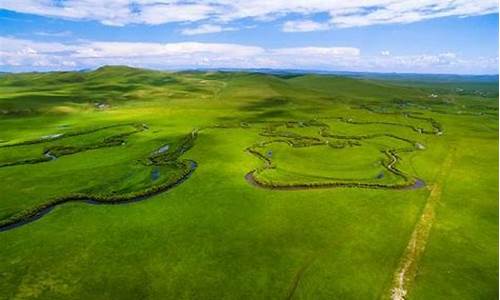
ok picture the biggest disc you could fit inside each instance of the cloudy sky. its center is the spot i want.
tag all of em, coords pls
(420, 36)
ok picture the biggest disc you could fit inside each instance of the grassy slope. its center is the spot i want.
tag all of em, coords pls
(460, 253)
(217, 237)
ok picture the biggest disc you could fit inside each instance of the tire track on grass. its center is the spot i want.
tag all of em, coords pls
(408, 265)
(298, 276)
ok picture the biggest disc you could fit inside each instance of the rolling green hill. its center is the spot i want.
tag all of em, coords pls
(125, 183)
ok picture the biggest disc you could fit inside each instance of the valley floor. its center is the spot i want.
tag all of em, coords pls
(131, 184)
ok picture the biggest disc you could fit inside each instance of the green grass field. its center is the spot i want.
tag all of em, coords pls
(125, 183)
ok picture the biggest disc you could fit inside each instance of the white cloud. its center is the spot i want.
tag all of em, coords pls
(25, 54)
(53, 33)
(342, 13)
(206, 28)
(446, 62)
(170, 11)
(18, 52)
(328, 52)
(385, 53)
(115, 12)
(304, 26)
(315, 57)
(387, 12)
(138, 49)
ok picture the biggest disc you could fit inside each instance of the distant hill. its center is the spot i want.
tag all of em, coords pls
(479, 85)
(122, 83)
(371, 75)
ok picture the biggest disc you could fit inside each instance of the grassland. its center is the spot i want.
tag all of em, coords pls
(125, 183)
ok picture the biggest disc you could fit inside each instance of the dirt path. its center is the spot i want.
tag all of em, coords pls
(407, 269)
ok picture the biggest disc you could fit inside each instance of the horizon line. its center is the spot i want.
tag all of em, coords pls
(257, 69)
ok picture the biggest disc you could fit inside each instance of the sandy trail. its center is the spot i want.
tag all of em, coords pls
(407, 268)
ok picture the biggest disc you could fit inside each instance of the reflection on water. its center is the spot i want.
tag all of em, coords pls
(155, 174)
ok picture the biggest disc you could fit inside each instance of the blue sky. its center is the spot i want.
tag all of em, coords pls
(425, 36)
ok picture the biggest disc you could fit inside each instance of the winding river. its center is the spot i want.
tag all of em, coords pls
(93, 200)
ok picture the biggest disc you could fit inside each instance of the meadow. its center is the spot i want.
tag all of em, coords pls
(125, 183)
